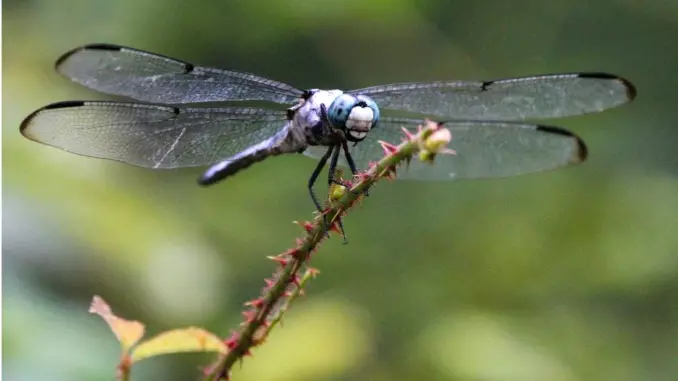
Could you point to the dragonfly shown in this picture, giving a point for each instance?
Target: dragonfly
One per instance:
(173, 123)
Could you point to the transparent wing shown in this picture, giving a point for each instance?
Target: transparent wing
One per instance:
(484, 149)
(151, 77)
(154, 136)
(547, 96)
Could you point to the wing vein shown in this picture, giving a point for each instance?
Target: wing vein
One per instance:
(172, 147)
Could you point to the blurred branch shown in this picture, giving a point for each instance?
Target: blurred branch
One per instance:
(266, 311)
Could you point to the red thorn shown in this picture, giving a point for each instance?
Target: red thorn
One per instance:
(232, 341)
(256, 303)
(408, 134)
(249, 315)
(281, 260)
(388, 147)
(362, 176)
(296, 281)
(269, 282)
(299, 242)
(287, 294)
(389, 173)
(292, 252)
(306, 225)
(206, 371)
(335, 226)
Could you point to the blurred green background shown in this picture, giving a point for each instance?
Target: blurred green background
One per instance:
(566, 275)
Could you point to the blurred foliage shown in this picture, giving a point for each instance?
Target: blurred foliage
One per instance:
(568, 275)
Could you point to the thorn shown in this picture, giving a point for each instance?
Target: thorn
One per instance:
(292, 252)
(362, 176)
(407, 133)
(249, 315)
(232, 341)
(206, 371)
(283, 262)
(256, 303)
(389, 173)
(269, 282)
(296, 281)
(306, 225)
(388, 147)
(335, 226)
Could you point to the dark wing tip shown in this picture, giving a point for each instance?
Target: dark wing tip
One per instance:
(631, 91)
(27, 121)
(630, 87)
(95, 46)
(63, 104)
(582, 150)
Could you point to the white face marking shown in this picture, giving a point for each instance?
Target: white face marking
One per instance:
(359, 122)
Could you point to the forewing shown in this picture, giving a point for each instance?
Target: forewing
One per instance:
(547, 96)
(484, 149)
(155, 78)
(153, 136)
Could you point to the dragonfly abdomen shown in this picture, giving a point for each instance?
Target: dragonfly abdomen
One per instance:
(288, 140)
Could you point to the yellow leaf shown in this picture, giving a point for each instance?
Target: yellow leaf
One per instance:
(189, 339)
(128, 332)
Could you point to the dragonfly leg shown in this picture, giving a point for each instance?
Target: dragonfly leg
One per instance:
(331, 179)
(332, 175)
(349, 158)
(350, 161)
(311, 182)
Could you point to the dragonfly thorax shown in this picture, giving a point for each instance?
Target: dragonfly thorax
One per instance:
(353, 114)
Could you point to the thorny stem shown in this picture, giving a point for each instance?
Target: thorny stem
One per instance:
(267, 310)
(298, 291)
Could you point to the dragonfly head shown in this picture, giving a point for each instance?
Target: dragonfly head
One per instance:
(353, 114)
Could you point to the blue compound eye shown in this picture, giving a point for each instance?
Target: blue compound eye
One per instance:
(340, 109)
(354, 114)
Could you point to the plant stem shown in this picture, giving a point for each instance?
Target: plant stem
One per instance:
(264, 314)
